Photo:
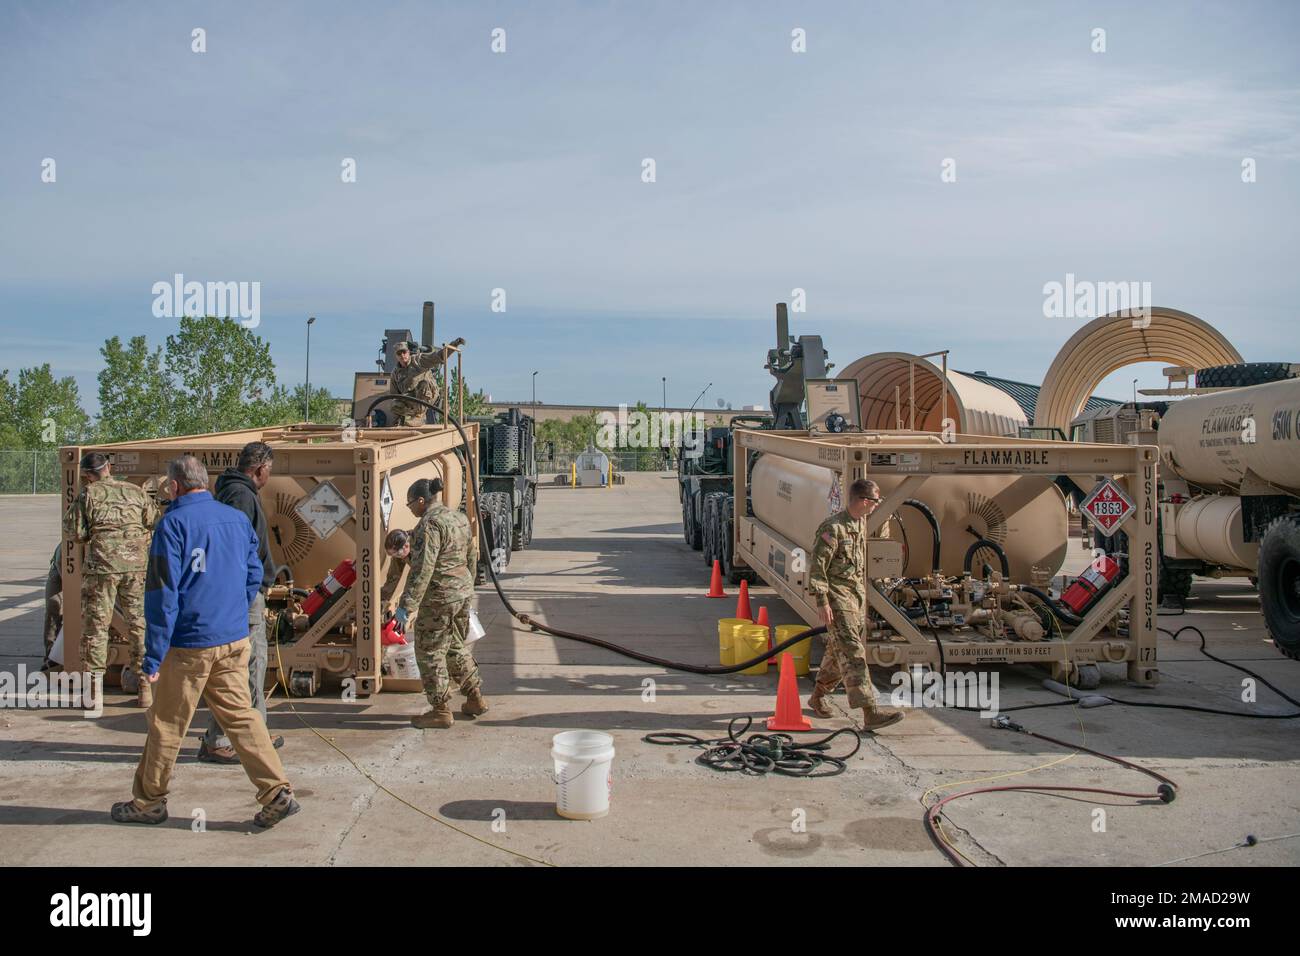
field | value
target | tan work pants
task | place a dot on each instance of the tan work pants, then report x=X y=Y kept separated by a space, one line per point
x=219 y=674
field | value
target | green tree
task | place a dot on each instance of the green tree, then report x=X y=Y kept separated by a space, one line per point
x=285 y=407
x=570 y=436
x=223 y=375
x=136 y=398
x=476 y=403
x=41 y=411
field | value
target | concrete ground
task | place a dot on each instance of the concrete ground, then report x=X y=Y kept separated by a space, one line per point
x=613 y=563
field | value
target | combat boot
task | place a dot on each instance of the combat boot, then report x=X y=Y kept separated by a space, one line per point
x=874 y=718
x=818 y=704
x=475 y=704
x=436 y=718
x=144 y=695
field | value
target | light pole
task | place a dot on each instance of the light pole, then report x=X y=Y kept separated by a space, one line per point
x=663 y=415
x=306 y=397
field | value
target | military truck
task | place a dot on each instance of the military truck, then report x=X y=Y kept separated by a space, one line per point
x=1229 y=491
x=704 y=472
x=507 y=482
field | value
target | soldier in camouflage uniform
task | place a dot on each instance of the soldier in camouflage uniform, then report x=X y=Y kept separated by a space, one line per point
x=440 y=586
x=838 y=582
x=114 y=519
x=53 y=603
x=397 y=545
x=414 y=376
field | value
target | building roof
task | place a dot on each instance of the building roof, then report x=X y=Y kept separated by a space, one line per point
x=1026 y=395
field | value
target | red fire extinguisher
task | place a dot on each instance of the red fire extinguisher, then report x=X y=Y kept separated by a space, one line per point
x=329 y=590
x=1087 y=586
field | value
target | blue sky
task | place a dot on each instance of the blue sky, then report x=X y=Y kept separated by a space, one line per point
x=522 y=171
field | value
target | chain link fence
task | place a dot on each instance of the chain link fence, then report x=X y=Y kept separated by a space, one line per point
x=29 y=472
x=651 y=459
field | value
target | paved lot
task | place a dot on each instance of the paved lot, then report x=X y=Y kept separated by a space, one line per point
x=612 y=563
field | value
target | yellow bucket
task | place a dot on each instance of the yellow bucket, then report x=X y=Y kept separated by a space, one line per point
x=801 y=652
x=751 y=640
x=727 y=639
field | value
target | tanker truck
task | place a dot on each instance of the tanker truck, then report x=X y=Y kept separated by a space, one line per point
x=1230 y=497
x=1229 y=482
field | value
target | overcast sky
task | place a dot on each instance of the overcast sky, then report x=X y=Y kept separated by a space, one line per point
x=522 y=171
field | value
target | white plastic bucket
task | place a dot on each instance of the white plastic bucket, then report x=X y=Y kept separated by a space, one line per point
x=399 y=662
x=583 y=773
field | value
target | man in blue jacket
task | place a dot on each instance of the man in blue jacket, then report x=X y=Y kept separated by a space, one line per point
x=204 y=572
x=239 y=488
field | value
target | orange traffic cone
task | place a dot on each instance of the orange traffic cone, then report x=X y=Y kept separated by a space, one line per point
x=742 y=605
x=789 y=712
x=762 y=621
x=715 y=586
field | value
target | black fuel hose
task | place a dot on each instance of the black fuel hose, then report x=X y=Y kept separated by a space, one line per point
x=586 y=638
x=992 y=546
x=926 y=513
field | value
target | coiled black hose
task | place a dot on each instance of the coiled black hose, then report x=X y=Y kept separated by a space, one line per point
x=926 y=513
x=1062 y=614
x=992 y=546
x=586 y=638
x=760 y=753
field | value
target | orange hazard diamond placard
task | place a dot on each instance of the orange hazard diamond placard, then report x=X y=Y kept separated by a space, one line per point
x=1108 y=506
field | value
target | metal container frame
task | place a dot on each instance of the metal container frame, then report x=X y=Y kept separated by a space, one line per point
x=916 y=456
x=303 y=451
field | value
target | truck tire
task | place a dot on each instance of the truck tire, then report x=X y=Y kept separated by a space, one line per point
x=496 y=513
x=691 y=527
x=532 y=510
x=522 y=533
x=709 y=531
x=1279 y=584
x=1173 y=583
x=1246 y=373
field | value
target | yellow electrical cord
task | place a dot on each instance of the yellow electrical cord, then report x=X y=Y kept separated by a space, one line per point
x=281 y=682
x=1000 y=776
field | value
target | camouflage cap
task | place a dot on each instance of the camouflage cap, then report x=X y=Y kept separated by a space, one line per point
x=405 y=346
x=93 y=461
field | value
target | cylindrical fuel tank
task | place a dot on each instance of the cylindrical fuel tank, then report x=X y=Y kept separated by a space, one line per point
x=1204 y=439
x=886 y=381
x=1209 y=528
x=294 y=543
x=1024 y=514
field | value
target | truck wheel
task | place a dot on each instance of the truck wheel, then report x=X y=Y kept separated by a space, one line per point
x=1243 y=374
x=522 y=532
x=729 y=571
x=691 y=527
x=496 y=513
x=531 y=505
x=1173 y=583
x=1279 y=584
x=709 y=532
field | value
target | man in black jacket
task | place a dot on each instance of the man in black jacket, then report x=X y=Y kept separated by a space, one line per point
x=239 y=487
